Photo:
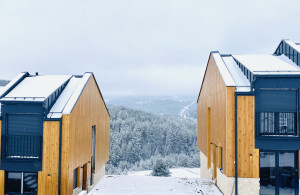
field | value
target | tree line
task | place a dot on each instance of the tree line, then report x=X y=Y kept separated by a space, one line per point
x=138 y=139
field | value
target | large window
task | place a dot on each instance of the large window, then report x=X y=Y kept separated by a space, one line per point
x=21 y=182
x=274 y=123
x=277 y=112
x=23 y=139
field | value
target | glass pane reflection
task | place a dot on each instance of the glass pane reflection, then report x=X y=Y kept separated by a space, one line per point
x=267 y=173
x=287 y=179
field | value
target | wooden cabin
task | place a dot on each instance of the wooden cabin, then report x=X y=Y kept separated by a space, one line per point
x=248 y=121
x=54 y=134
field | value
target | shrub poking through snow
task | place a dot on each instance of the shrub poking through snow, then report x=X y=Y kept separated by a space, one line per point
x=160 y=169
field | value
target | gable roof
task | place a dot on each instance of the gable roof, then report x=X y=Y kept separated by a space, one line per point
x=229 y=71
x=223 y=70
x=239 y=70
x=57 y=93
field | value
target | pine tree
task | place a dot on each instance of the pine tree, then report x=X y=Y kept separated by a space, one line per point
x=160 y=169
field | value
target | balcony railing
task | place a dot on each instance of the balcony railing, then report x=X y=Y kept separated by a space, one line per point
x=23 y=147
x=277 y=124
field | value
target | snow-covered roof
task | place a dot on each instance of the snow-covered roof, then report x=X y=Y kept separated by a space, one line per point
x=227 y=77
x=12 y=83
x=293 y=45
x=68 y=98
x=241 y=81
x=240 y=70
x=63 y=90
x=36 y=88
x=267 y=64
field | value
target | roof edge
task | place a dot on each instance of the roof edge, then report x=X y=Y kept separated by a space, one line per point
x=214 y=55
x=78 y=91
x=100 y=92
x=210 y=54
x=76 y=94
x=229 y=82
x=13 y=83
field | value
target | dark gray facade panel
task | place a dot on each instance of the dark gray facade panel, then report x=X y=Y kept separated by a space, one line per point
x=277 y=95
x=23 y=124
x=22 y=137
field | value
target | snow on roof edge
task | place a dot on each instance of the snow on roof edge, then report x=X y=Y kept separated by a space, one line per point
x=223 y=70
x=100 y=94
x=76 y=94
x=65 y=96
x=211 y=54
x=14 y=81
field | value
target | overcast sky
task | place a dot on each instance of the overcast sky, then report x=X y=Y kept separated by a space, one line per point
x=138 y=47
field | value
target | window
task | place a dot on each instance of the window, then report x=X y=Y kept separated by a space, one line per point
x=21 y=182
x=277 y=112
x=23 y=136
x=93 y=154
x=221 y=158
x=75 y=174
x=13 y=182
x=208 y=138
x=277 y=123
x=30 y=182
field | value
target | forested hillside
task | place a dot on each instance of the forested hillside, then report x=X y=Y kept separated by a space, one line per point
x=138 y=138
x=160 y=105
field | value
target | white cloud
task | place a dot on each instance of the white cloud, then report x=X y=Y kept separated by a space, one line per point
x=138 y=47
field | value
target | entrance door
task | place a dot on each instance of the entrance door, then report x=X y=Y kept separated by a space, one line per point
x=279 y=173
x=93 y=154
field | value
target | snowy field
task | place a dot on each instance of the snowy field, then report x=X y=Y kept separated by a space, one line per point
x=175 y=172
x=183 y=181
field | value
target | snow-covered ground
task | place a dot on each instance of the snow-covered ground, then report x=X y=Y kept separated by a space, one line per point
x=181 y=172
x=183 y=181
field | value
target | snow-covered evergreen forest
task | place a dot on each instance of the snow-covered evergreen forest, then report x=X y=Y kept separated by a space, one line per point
x=138 y=139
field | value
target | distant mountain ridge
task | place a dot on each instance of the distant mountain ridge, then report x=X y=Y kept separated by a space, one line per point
x=3 y=82
x=184 y=107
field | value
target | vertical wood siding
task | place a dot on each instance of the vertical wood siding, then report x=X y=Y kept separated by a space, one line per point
x=65 y=155
x=76 y=135
x=230 y=132
x=48 y=178
x=1 y=171
x=214 y=95
x=248 y=156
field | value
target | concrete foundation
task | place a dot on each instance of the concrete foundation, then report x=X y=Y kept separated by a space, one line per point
x=98 y=175
x=227 y=184
x=204 y=172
